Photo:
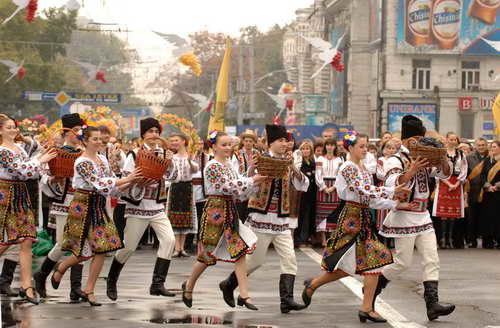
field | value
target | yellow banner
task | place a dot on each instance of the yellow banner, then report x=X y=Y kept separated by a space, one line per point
x=222 y=92
x=496 y=114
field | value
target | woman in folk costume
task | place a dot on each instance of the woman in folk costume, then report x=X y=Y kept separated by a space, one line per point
x=270 y=220
x=145 y=207
x=388 y=149
x=489 y=197
x=89 y=232
x=353 y=247
x=410 y=223
x=17 y=222
x=327 y=200
x=245 y=156
x=223 y=237
x=60 y=193
x=449 y=194
x=181 y=205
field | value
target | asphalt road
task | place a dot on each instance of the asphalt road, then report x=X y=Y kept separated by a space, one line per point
x=469 y=278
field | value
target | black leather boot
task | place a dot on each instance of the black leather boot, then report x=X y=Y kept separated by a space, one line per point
x=434 y=308
x=76 y=283
x=40 y=276
x=8 y=269
x=114 y=273
x=159 y=275
x=227 y=287
x=287 y=303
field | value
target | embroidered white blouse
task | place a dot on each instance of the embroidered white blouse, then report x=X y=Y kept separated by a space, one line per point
x=16 y=165
x=326 y=169
x=224 y=179
x=183 y=168
x=92 y=176
x=355 y=184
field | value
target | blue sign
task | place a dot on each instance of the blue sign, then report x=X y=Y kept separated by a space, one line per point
x=101 y=98
x=488 y=126
x=395 y=113
x=301 y=132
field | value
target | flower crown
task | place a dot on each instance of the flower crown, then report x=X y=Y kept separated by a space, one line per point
x=80 y=133
x=350 y=139
x=212 y=137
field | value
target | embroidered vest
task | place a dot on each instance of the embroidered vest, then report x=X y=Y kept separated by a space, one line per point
x=261 y=202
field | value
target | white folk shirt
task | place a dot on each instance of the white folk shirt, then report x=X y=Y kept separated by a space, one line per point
x=355 y=184
x=270 y=222
x=224 y=179
x=148 y=207
x=92 y=176
x=17 y=166
x=326 y=169
x=184 y=168
x=409 y=219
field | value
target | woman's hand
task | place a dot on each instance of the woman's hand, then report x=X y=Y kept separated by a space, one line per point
x=258 y=179
x=401 y=193
x=47 y=155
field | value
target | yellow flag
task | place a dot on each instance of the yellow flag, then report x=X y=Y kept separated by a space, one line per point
x=496 y=114
x=222 y=92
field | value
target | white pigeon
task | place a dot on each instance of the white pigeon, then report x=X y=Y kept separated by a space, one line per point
x=279 y=101
x=90 y=69
x=21 y=4
x=203 y=102
x=72 y=5
x=494 y=44
x=14 y=68
x=327 y=50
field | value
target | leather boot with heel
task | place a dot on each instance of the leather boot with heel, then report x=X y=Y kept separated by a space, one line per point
x=159 y=276
x=8 y=269
x=434 y=308
x=286 y=286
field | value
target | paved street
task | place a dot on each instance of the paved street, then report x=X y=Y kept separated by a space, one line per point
x=470 y=279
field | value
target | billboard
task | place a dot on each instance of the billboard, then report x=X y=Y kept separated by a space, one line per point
x=448 y=26
x=395 y=113
x=301 y=132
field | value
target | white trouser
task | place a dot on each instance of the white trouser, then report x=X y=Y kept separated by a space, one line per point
x=283 y=244
x=56 y=252
x=134 y=229
x=426 y=246
x=12 y=253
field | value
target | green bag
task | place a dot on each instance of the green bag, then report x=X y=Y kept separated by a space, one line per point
x=44 y=244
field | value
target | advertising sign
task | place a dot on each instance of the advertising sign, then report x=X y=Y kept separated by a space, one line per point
x=448 y=26
x=314 y=104
x=301 y=132
x=426 y=112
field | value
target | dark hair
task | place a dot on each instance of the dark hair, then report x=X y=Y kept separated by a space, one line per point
x=319 y=143
x=88 y=131
x=104 y=129
x=218 y=135
x=496 y=142
x=333 y=142
x=359 y=136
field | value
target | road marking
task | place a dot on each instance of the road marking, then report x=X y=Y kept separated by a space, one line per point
x=394 y=318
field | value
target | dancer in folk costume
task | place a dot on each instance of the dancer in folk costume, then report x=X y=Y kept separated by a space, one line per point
x=388 y=149
x=410 y=223
x=181 y=205
x=245 y=156
x=146 y=208
x=327 y=199
x=354 y=247
x=11 y=254
x=269 y=219
x=223 y=237
x=89 y=232
x=17 y=222
x=449 y=198
x=60 y=193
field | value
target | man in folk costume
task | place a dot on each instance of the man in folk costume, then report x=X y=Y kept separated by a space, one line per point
x=245 y=157
x=410 y=223
x=269 y=219
x=60 y=193
x=146 y=207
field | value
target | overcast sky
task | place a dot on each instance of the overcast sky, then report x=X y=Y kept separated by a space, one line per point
x=185 y=16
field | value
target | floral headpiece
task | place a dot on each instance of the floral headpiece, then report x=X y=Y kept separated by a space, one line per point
x=81 y=133
x=350 y=139
x=212 y=137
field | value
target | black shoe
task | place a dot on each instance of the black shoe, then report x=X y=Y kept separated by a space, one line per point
x=8 y=269
x=112 y=280
x=40 y=277
x=87 y=298
x=227 y=287
x=160 y=272
x=364 y=316
x=187 y=301
x=434 y=308
x=55 y=283
x=23 y=294
x=306 y=298
x=244 y=302
x=76 y=292
x=286 y=286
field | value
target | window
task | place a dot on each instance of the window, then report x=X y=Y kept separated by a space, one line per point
x=470 y=75
x=421 y=76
